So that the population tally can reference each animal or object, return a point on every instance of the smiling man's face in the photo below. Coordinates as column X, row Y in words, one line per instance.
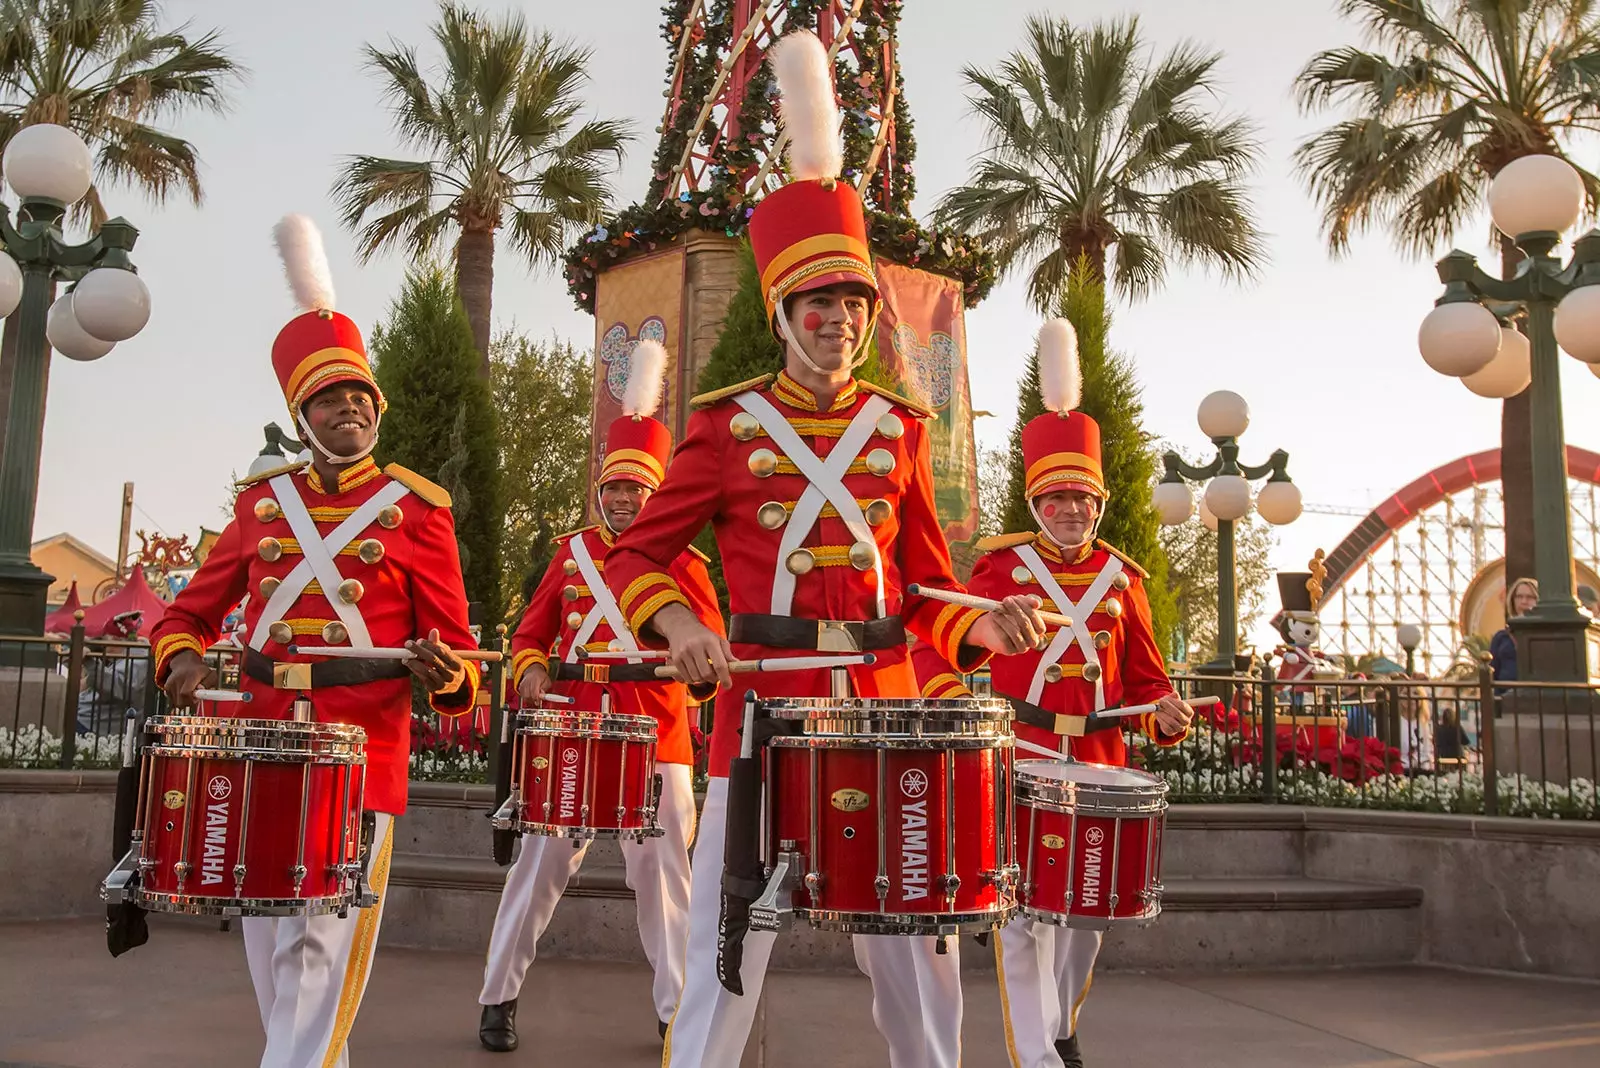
column 343, row 417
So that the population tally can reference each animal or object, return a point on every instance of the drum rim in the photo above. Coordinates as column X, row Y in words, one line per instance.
column 798, row 708
column 198, row 905
column 1108, row 808
column 883, row 740
column 622, row 723
column 258, row 756
column 290, row 726
column 553, row 830
column 849, row 921
column 1155, row 784
column 1092, row 923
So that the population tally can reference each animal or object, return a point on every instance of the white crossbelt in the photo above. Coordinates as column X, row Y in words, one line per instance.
column 317, row 559
column 605, row 606
column 1078, row 612
column 826, row 478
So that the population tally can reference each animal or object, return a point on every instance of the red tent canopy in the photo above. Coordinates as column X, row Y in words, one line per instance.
column 136, row 595
column 60, row 621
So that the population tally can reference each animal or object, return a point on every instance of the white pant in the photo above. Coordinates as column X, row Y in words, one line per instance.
column 657, row 873
column 1045, row 972
column 916, row 993
column 310, row 971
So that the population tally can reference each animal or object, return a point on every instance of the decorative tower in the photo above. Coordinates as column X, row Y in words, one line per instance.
column 666, row 268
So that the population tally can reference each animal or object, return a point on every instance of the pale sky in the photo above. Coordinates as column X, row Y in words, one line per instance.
column 1324, row 351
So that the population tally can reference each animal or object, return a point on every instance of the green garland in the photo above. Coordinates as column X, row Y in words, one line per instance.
column 723, row 207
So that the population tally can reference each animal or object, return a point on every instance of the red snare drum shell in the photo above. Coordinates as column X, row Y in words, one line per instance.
column 916, row 805
column 583, row 775
column 1089, row 841
column 237, row 825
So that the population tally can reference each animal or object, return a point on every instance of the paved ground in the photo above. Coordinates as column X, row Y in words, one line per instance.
column 184, row 1001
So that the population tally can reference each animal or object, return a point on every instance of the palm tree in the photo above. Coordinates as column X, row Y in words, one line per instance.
column 110, row 71
column 501, row 145
column 1447, row 95
column 1095, row 153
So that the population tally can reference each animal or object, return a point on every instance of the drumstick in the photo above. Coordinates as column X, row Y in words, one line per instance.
column 782, row 663
column 346, row 653
column 1078, row 726
column 556, row 699
column 224, row 696
column 1039, row 750
column 623, row 654
column 969, row 600
column 1139, row 710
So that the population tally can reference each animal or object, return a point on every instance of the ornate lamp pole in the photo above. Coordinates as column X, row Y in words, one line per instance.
column 49, row 167
column 1532, row 200
column 1223, row 417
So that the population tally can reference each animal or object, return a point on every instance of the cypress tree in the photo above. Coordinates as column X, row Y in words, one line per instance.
column 441, row 422
column 1111, row 396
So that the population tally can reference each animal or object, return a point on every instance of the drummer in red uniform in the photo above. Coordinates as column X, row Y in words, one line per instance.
column 819, row 489
column 331, row 553
column 572, row 609
column 1108, row 658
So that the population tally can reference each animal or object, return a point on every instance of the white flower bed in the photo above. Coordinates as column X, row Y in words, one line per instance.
column 38, row 747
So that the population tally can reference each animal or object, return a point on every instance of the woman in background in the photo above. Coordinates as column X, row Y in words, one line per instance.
column 1522, row 595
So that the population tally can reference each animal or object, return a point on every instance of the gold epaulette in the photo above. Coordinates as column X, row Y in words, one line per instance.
column 704, row 559
column 1127, row 560
column 921, row 411
column 246, row 483
column 559, row 538
column 996, row 542
column 705, row 400
column 431, row 492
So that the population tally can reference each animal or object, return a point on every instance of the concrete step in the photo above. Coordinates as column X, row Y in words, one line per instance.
column 446, row 902
column 1201, row 841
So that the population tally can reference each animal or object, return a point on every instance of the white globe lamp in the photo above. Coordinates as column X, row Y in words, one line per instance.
column 1578, row 324
column 1279, row 502
column 1459, row 339
column 1228, row 497
column 1223, row 414
column 1536, row 194
column 1410, row 636
column 1511, row 370
column 111, row 304
column 10, row 285
column 1174, row 503
column 67, row 337
column 48, row 161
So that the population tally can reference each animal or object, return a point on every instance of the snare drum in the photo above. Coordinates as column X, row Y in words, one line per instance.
column 249, row 817
column 894, row 814
column 585, row 775
column 1090, row 840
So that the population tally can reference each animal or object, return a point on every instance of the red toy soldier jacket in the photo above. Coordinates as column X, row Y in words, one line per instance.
column 384, row 541
column 1109, row 659
column 822, row 519
column 570, row 610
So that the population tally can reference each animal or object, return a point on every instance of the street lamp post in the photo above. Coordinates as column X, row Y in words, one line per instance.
column 1532, row 200
column 49, row 167
column 1410, row 636
column 1223, row 417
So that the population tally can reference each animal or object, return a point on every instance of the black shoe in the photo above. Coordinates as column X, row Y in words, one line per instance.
column 497, row 1027
column 662, row 1026
column 1067, row 1050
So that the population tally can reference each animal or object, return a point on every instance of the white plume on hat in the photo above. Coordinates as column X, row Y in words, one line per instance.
column 1060, row 381
column 647, row 368
column 807, row 106
column 305, row 262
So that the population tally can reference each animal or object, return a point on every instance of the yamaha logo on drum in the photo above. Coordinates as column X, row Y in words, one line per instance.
column 1094, row 839
column 569, row 783
column 216, row 841
column 914, row 835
